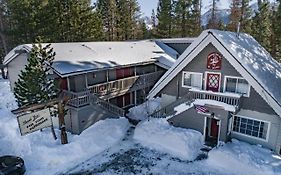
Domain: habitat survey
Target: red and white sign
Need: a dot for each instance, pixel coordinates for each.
(214, 61)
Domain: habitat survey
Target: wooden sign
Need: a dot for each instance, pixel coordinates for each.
(214, 61)
(31, 122)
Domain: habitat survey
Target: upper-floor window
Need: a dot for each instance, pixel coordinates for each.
(236, 85)
(250, 127)
(192, 79)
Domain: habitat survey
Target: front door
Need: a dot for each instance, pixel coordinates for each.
(214, 128)
(213, 82)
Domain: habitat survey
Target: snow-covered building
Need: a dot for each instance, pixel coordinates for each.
(103, 79)
(234, 85)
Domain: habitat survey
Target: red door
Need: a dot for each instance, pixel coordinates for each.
(213, 82)
(214, 128)
(127, 99)
(124, 72)
(63, 84)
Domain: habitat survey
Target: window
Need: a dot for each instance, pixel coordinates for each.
(251, 127)
(192, 79)
(237, 85)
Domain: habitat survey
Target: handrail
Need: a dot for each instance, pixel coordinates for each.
(108, 106)
(123, 84)
(78, 99)
(191, 96)
(169, 109)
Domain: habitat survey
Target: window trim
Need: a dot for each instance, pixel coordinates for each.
(209, 72)
(253, 137)
(241, 78)
(198, 73)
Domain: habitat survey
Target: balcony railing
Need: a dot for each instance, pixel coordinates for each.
(228, 98)
(85, 98)
(231, 99)
(78, 99)
(133, 83)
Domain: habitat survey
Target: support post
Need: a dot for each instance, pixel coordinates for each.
(62, 122)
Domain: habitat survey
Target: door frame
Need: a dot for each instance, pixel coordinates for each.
(206, 79)
(206, 124)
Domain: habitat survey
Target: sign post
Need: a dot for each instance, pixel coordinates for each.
(62, 122)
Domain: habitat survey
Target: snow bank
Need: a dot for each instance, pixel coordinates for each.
(158, 134)
(141, 111)
(182, 107)
(243, 159)
(41, 153)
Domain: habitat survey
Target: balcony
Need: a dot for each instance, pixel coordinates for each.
(122, 86)
(228, 98)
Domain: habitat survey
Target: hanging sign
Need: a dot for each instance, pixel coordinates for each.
(214, 61)
(31, 122)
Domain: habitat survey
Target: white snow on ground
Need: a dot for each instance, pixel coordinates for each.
(243, 159)
(41, 153)
(141, 112)
(158, 134)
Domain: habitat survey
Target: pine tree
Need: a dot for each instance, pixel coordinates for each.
(235, 15)
(164, 17)
(277, 30)
(182, 15)
(128, 19)
(73, 20)
(108, 12)
(34, 85)
(213, 22)
(261, 25)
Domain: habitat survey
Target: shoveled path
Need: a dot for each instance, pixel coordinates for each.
(129, 157)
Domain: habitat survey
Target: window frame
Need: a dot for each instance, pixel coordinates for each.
(246, 135)
(241, 78)
(187, 72)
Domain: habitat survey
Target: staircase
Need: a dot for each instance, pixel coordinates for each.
(85, 98)
(108, 106)
(169, 109)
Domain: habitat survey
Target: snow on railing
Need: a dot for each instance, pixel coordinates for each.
(234, 100)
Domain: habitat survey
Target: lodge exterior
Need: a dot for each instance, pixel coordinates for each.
(102, 79)
(230, 75)
(236, 81)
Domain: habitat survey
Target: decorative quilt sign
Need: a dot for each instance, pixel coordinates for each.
(214, 61)
(31, 122)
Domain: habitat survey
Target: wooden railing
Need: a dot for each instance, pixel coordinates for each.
(168, 110)
(134, 83)
(86, 98)
(221, 97)
(108, 106)
(78, 99)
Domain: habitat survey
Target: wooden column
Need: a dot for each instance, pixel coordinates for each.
(62, 122)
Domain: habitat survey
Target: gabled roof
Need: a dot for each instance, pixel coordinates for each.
(245, 54)
(73, 58)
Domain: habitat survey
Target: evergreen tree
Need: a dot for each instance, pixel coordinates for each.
(128, 22)
(261, 25)
(164, 17)
(109, 15)
(196, 17)
(182, 15)
(72, 20)
(277, 30)
(235, 15)
(34, 85)
(213, 22)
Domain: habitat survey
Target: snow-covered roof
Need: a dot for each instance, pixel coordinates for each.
(73, 58)
(250, 59)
